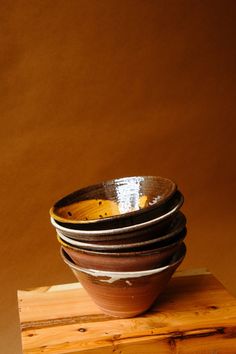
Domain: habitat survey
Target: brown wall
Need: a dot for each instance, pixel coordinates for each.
(92, 90)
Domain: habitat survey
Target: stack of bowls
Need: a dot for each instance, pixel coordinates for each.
(123, 239)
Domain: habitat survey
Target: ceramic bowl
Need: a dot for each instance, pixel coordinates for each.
(157, 225)
(117, 203)
(146, 238)
(141, 259)
(125, 294)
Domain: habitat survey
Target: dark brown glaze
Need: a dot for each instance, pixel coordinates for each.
(124, 261)
(107, 236)
(116, 203)
(161, 233)
(127, 296)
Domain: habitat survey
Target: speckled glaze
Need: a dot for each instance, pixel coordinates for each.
(117, 203)
(125, 294)
(155, 225)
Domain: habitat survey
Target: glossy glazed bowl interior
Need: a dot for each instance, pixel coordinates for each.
(125, 294)
(117, 203)
(160, 223)
(143, 239)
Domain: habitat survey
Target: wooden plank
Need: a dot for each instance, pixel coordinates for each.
(194, 313)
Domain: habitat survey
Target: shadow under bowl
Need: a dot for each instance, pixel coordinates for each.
(125, 294)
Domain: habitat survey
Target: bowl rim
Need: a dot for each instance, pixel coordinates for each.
(120, 229)
(133, 274)
(113, 217)
(106, 247)
(125, 253)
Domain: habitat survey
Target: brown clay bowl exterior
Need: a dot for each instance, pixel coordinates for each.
(117, 203)
(124, 261)
(150, 227)
(125, 294)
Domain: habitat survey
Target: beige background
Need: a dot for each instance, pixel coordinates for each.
(92, 90)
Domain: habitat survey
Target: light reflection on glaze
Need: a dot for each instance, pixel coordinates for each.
(128, 195)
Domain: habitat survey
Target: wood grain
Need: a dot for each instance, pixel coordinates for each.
(194, 315)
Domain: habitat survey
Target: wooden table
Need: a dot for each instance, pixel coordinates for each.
(194, 315)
